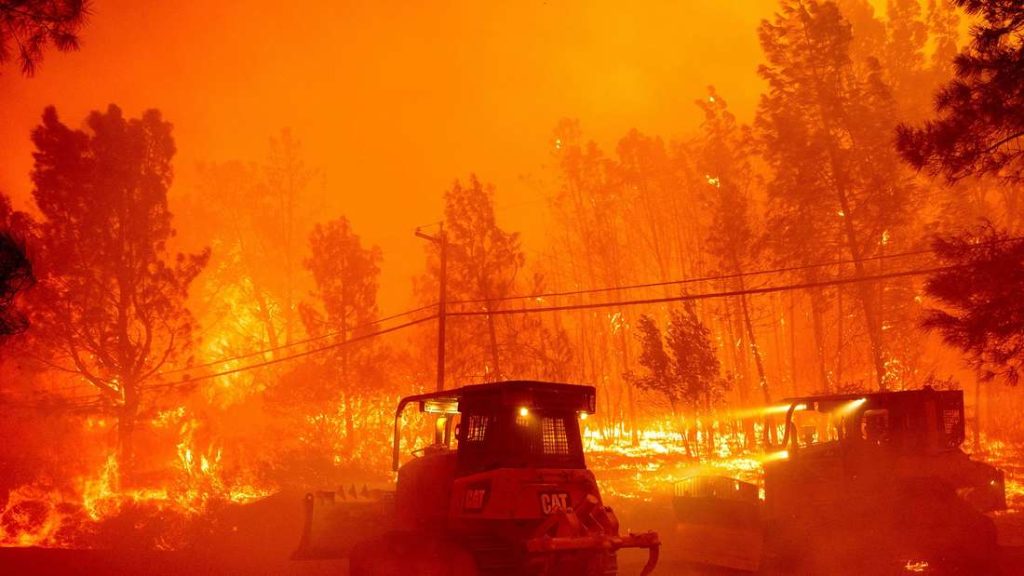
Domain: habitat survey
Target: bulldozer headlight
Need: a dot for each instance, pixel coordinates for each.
(583, 415)
(524, 412)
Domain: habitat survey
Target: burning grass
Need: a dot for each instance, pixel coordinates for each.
(201, 485)
(95, 512)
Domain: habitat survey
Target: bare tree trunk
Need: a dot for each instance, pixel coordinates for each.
(977, 412)
(737, 343)
(777, 340)
(792, 345)
(769, 427)
(266, 318)
(755, 350)
(126, 418)
(871, 316)
(350, 429)
(817, 317)
(630, 401)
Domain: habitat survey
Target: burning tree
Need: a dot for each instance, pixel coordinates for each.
(259, 215)
(724, 155)
(484, 264)
(687, 373)
(347, 277)
(111, 302)
(976, 135)
(837, 185)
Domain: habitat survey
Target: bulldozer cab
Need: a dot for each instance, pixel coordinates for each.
(517, 424)
(914, 422)
(513, 497)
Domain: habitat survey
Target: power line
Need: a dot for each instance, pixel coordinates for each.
(704, 296)
(688, 280)
(508, 311)
(686, 297)
(295, 343)
(718, 277)
(302, 354)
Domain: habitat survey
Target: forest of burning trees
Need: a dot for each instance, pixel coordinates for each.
(859, 233)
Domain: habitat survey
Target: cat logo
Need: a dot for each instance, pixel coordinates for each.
(475, 498)
(554, 502)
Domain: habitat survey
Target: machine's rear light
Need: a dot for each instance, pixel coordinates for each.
(524, 412)
(584, 415)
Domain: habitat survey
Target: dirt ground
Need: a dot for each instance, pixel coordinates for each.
(259, 538)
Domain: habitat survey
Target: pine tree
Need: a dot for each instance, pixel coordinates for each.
(31, 25)
(347, 279)
(724, 156)
(837, 188)
(979, 121)
(111, 300)
(983, 317)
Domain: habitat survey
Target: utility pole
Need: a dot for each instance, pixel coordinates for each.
(442, 300)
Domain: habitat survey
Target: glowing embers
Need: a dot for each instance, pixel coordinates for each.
(33, 516)
(916, 566)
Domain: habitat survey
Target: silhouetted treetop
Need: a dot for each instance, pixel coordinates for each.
(982, 310)
(27, 26)
(980, 113)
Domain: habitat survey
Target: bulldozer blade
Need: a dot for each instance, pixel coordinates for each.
(334, 522)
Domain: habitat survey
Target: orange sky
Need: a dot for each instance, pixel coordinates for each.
(394, 103)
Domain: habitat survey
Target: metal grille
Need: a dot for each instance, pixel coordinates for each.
(556, 441)
(476, 428)
(950, 421)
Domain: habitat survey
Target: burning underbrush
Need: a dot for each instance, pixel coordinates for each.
(195, 473)
(178, 506)
(647, 469)
(208, 481)
(1009, 457)
(97, 512)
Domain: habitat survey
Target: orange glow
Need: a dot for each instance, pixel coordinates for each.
(627, 196)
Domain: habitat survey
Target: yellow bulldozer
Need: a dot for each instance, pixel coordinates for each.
(512, 497)
(858, 484)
